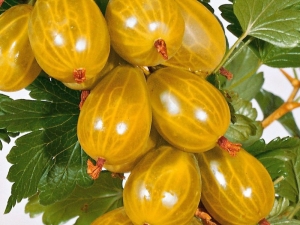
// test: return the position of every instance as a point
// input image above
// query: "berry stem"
(161, 47)
(79, 75)
(1, 1)
(230, 147)
(264, 222)
(205, 217)
(118, 175)
(226, 73)
(95, 170)
(83, 96)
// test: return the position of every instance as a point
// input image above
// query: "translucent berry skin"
(69, 35)
(162, 188)
(134, 26)
(203, 44)
(188, 112)
(113, 61)
(127, 167)
(236, 190)
(115, 120)
(117, 216)
(17, 62)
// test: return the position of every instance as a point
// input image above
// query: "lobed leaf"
(257, 147)
(28, 115)
(29, 164)
(281, 158)
(48, 158)
(8, 4)
(234, 26)
(277, 57)
(276, 22)
(207, 5)
(63, 174)
(102, 4)
(281, 205)
(4, 135)
(85, 203)
(269, 54)
(245, 129)
(51, 90)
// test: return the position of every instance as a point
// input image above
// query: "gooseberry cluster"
(146, 106)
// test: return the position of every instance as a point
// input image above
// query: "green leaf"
(48, 158)
(245, 129)
(29, 164)
(257, 147)
(234, 26)
(207, 5)
(269, 102)
(10, 3)
(102, 5)
(280, 206)
(244, 107)
(281, 158)
(269, 54)
(246, 82)
(285, 222)
(277, 22)
(277, 57)
(63, 174)
(4, 98)
(242, 130)
(86, 203)
(4, 135)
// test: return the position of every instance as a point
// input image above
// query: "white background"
(274, 82)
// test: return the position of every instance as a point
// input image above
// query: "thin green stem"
(238, 51)
(230, 51)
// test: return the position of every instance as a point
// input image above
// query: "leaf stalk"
(230, 52)
(289, 105)
(278, 113)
